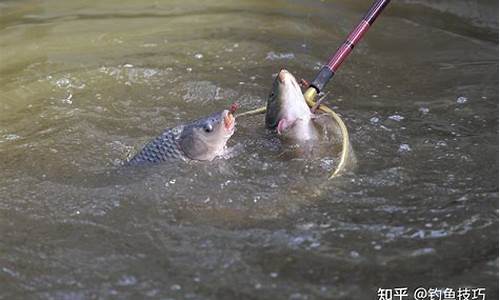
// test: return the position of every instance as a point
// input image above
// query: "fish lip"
(229, 121)
(282, 75)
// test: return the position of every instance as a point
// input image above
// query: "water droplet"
(462, 100)
(396, 118)
(404, 148)
(126, 280)
(354, 254)
(11, 137)
(441, 144)
(63, 82)
(423, 110)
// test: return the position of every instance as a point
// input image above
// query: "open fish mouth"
(229, 121)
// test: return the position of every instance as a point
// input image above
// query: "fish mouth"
(282, 75)
(229, 121)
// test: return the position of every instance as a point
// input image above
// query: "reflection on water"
(84, 82)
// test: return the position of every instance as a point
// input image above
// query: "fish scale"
(163, 148)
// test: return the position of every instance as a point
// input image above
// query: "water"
(84, 82)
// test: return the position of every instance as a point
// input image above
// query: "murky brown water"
(82, 82)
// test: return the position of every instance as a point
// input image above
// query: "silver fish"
(288, 112)
(203, 139)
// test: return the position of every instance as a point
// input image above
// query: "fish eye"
(208, 128)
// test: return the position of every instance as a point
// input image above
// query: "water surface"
(84, 82)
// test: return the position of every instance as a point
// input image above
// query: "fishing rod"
(345, 49)
(329, 70)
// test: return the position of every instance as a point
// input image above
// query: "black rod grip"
(322, 78)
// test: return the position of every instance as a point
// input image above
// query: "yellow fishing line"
(310, 96)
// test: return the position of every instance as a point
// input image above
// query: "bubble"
(198, 56)
(63, 82)
(149, 73)
(462, 100)
(396, 118)
(404, 148)
(441, 144)
(126, 280)
(424, 110)
(11, 137)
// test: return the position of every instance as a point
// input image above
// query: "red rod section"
(345, 49)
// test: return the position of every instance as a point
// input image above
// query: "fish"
(200, 140)
(287, 111)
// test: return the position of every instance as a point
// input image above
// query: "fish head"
(206, 138)
(286, 103)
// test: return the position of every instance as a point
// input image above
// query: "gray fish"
(203, 139)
